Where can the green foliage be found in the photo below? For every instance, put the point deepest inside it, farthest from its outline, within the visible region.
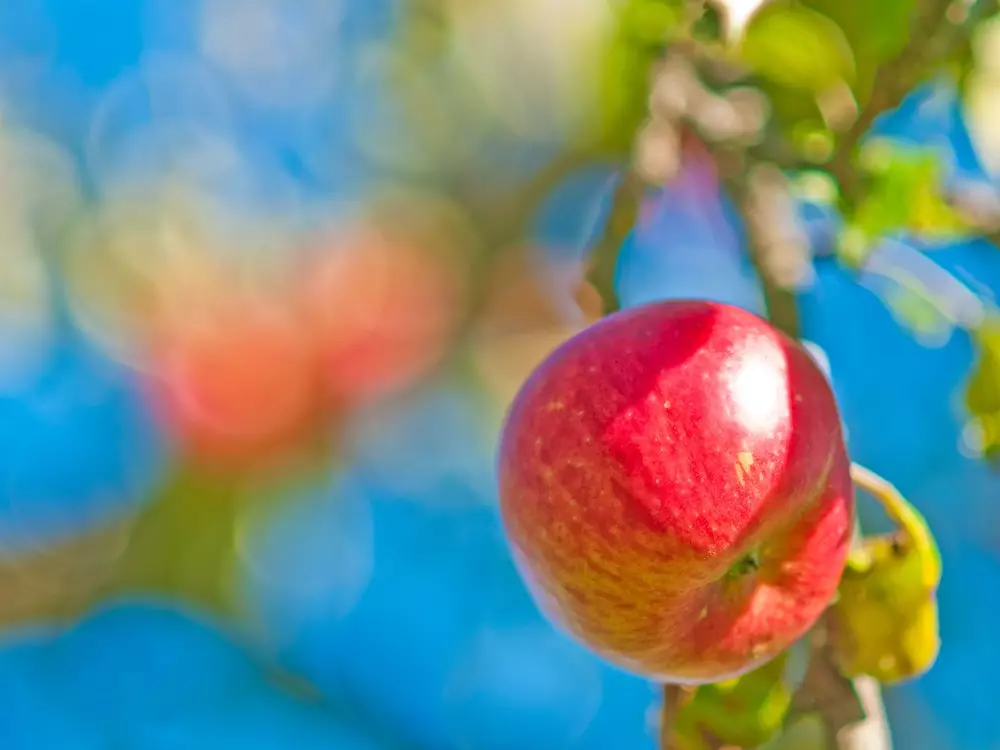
(884, 622)
(804, 62)
(982, 396)
(200, 510)
(641, 31)
(917, 310)
(649, 22)
(875, 31)
(746, 711)
(797, 48)
(904, 189)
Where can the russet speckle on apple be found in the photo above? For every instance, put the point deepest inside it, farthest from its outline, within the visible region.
(676, 491)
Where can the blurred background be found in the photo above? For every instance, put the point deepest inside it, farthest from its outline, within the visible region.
(270, 273)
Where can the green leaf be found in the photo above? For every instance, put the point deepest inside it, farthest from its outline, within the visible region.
(918, 312)
(904, 194)
(641, 31)
(982, 394)
(624, 94)
(797, 48)
(876, 31)
(745, 711)
(182, 543)
(649, 21)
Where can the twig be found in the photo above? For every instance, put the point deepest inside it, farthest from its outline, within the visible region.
(893, 81)
(673, 696)
(851, 711)
(603, 260)
(514, 218)
(934, 34)
(777, 248)
(873, 732)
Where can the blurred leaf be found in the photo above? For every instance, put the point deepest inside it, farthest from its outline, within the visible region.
(650, 21)
(918, 311)
(797, 48)
(709, 27)
(879, 29)
(875, 31)
(63, 578)
(904, 193)
(745, 711)
(982, 395)
(625, 76)
(641, 32)
(183, 544)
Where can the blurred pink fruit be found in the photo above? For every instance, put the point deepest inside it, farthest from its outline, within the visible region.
(383, 309)
(237, 384)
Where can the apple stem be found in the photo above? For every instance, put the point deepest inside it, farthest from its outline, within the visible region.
(745, 565)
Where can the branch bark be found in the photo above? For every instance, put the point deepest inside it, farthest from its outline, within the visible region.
(602, 263)
(779, 250)
(934, 34)
(872, 733)
(851, 711)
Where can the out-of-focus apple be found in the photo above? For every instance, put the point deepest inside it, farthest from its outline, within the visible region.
(383, 308)
(237, 383)
(676, 490)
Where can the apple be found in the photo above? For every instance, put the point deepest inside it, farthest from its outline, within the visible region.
(383, 308)
(236, 383)
(676, 491)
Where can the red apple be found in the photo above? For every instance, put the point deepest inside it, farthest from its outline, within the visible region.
(383, 308)
(237, 383)
(675, 487)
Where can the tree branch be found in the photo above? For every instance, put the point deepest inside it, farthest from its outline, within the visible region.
(872, 733)
(513, 219)
(934, 34)
(673, 696)
(777, 246)
(851, 711)
(602, 263)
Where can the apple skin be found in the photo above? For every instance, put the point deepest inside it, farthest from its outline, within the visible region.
(676, 491)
